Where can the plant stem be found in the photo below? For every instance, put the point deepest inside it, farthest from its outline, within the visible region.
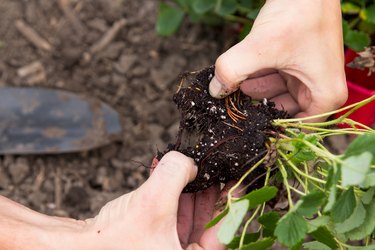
(353, 107)
(299, 171)
(247, 225)
(230, 192)
(233, 18)
(286, 184)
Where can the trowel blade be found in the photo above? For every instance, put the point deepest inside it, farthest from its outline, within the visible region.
(51, 121)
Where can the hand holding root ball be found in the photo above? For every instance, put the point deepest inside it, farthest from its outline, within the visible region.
(156, 215)
(292, 56)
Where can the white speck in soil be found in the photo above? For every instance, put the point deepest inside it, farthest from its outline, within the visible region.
(206, 176)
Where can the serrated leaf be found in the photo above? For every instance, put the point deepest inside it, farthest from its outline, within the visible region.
(366, 228)
(203, 6)
(362, 143)
(355, 168)
(314, 224)
(344, 206)
(323, 235)
(232, 221)
(260, 196)
(269, 220)
(262, 244)
(369, 13)
(350, 8)
(227, 7)
(309, 204)
(251, 237)
(357, 40)
(316, 245)
(355, 220)
(368, 196)
(215, 220)
(169, 19)
(291, 229)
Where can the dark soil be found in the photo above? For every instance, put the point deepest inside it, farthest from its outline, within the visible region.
(135, 73)
(224, 136)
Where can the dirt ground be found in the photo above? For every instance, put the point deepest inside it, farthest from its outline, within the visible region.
(135, 73)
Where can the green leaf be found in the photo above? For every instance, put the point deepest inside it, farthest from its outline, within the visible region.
(357, 40)
(355, 220)
(253, 13)
(291, 229)
(184, 4)
(169, 19)
(344, 206)
(369, 14)
(251, 237)
(371, 247)
(368, 196)
(350, 8)
(245, 31)
(369, 180)
(203, 6)
(314, 224)
(232, 221)
(227, 7)
(316, 245)
(332, 179)
(262, 244)
(215, 220)
(309, 204)
(323, 235)
(260, 196)
(362, 143)
(366, 228)
(269, 220)
(355, 168)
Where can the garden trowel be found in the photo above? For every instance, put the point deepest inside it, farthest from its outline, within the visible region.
(49, 121)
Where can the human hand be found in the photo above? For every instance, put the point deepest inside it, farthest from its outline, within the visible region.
(156, 215)
(292, 56)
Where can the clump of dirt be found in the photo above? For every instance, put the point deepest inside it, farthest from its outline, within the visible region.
(224, 136)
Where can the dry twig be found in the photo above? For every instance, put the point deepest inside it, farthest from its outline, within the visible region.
(108, 37)
(32, 36)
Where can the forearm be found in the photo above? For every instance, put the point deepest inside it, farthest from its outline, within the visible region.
(22, 228)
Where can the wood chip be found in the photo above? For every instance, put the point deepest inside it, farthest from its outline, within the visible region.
(108, 37)
(32, 36)
(72, 17)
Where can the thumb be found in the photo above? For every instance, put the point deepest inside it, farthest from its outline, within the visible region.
(236, 65)
(173, 172)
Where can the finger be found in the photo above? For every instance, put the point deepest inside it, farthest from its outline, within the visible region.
(236, 65)
(185, 218)
(209, 238)
(286, 102)
(204, 209)
(267, 86)
(162, 190)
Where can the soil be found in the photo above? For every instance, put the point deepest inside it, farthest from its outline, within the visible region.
(136, 73)
(223, 136)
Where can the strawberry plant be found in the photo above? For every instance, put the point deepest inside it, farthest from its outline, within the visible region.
(358, 17)
(330, 198)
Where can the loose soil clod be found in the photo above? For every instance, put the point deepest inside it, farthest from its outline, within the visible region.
(224, 136)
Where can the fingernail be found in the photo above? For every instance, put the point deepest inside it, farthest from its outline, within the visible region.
(216, 88)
